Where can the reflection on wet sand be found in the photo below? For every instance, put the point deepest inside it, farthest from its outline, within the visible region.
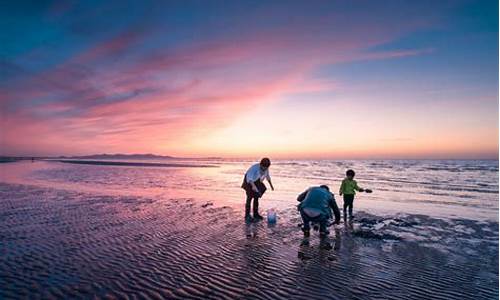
(348, 226)
(338, 239)
(251, 231)
(325, 244)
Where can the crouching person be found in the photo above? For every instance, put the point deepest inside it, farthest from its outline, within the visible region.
(316, 205)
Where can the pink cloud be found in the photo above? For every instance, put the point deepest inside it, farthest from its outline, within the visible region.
(113, 47)
(173, 95)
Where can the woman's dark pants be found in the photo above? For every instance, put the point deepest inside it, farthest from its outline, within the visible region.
(251, 194)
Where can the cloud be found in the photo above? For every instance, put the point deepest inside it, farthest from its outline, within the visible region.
(397, 140)
(139, 86)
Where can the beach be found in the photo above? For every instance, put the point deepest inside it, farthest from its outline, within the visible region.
(429, 230)
(180, 149)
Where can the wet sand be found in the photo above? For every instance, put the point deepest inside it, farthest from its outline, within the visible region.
(68, 244)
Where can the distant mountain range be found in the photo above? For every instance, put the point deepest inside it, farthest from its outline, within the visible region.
(130, 156)
(117, 156)
(120, 156)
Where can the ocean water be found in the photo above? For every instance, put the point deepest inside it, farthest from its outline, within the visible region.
(435, 187)
(176, 230)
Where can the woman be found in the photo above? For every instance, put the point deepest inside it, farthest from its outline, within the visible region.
(255, 188)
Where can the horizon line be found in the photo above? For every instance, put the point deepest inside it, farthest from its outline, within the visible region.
(497, 158)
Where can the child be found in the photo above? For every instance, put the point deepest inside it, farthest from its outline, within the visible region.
(348, 188)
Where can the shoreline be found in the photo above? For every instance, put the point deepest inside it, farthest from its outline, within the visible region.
(132, 164)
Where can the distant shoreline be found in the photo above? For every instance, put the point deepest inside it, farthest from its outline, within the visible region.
(9, 159)
(145, 157)
(137, 164)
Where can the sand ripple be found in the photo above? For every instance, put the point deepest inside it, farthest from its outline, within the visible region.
(60, 245)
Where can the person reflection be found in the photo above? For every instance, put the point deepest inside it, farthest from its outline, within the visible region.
(250, 231)
(338, 239)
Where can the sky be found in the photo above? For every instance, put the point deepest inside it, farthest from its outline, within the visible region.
(285, 79)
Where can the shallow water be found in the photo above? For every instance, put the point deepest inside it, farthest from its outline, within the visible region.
(441, 188)
(79, 231)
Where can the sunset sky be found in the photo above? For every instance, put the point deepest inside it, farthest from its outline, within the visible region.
(285, 79)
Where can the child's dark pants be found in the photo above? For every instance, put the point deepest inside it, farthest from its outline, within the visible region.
(348, 202)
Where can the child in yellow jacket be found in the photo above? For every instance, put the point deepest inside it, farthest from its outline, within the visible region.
(348, 188)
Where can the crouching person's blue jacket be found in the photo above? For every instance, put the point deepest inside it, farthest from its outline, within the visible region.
(318, 200)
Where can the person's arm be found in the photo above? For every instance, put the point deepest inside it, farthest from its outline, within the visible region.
(254, 187)
(269, 180)
(302, 196)
(335, 209)
(341, 190)
(357, 188)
